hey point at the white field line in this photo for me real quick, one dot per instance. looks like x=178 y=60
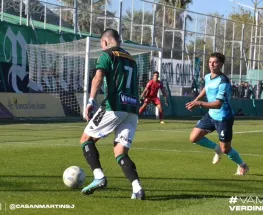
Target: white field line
x=176 y=131
x=154 y=130
x=189 y=151
x=135 y=148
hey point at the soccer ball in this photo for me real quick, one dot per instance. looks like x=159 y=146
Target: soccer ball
x=74 y=177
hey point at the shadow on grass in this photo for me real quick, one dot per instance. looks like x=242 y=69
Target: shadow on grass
x=170 y=196
x=235 y=179
x=260 y=175
x=187 y=196
x=17 y=183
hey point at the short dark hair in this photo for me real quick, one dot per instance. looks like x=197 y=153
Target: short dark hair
x=109 y=32
x=156 y=72
x=219 y=56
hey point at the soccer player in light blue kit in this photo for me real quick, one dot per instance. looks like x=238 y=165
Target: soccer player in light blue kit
x=219 y=117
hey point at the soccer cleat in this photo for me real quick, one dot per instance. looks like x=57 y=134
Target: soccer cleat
x=95 y=184
x=242 y=170
x=139 y=195
x=162 y=122
x=217 y=156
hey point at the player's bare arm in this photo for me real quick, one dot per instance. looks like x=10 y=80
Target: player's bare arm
x=144 y=92
x=196 y=103
x=201 y=95
x=95 y=86
x=96 y=83
x=211 y=105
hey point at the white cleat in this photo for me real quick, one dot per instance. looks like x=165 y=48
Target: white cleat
x=242 y=170
x=217 y=156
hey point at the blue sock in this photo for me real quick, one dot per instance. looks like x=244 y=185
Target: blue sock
x=234 y=156
x=205 y=142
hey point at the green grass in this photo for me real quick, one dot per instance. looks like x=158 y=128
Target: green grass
x=178 y=177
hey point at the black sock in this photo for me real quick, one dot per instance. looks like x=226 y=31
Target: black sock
x=91 y=154
x=128 y=167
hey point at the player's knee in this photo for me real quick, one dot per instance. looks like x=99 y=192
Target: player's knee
x=119 y=150
x=85 y=138
x=193 y=139
x=225 y=146
x=225 y=149
x=142 y=108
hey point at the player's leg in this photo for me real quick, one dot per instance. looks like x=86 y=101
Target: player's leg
x=92 y=157
x=225 y=131
x=157 y=103
x=197 y=136
x=143 y=107
x=100 y=126
x=124 y=136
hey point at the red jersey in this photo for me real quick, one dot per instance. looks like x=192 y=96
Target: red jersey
x=153 y=88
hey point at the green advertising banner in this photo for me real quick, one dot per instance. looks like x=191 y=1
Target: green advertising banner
x=13 y=58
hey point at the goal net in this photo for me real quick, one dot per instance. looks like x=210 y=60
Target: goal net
x=65 y=70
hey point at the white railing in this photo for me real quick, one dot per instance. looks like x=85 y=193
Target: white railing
x=182 y=34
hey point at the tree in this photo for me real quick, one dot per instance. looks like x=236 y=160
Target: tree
x=225 y=37
x=84 y=15
x=174 y=20
x=243 y=16
x=177 y=3
x=141 y=22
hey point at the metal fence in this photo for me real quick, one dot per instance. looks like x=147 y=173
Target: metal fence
x=30 y=11
x=183 y=35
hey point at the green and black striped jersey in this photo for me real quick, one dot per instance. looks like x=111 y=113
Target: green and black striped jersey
x=120 y=80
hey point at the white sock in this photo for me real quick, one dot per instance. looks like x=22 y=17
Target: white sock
x=98 y=174
x=136 y=187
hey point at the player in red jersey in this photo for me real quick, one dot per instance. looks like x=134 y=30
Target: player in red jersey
x=150 y=95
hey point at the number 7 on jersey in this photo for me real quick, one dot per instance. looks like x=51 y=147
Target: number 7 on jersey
x=129 y=69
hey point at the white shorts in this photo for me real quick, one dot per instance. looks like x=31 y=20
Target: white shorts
x=103 y=122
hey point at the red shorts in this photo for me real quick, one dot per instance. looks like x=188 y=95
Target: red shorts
x=155 y=101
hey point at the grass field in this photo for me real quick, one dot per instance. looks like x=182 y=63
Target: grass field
x=178 y=177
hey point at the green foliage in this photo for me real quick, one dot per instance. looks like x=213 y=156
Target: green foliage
x=177 y=3
x=235 y=21
x=148 y=20
x=139 y=19
x=242 y=15
x=84 y=15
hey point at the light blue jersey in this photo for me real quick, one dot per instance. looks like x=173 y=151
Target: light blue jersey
x=219 y=88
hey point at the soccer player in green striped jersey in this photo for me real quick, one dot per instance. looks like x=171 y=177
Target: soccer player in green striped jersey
x=117 y=70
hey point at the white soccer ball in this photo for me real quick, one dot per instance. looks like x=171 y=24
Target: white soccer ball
x=74 y=177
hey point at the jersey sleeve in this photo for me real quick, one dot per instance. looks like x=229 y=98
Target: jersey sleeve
x=149 y=84
x=103 y=62
x=223 y=88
